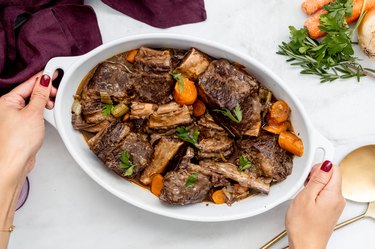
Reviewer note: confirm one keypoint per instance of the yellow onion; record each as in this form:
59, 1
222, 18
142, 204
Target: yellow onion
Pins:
366, 34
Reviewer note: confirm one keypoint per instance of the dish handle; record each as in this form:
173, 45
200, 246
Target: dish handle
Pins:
63, 63
324, 144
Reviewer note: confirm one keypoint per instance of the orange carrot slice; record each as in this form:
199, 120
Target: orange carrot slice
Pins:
131, 55
218, 197
291, 143
157, 184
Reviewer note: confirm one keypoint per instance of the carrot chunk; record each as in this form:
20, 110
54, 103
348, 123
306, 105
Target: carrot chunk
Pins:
277, 128
313, 22
185, 92
218, 197
311, 6
291, 143
157, 184
131, 55
279, 112
199, 108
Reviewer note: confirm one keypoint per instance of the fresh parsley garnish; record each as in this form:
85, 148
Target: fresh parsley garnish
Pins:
190, 181
244, 163
107, 109
332, 57
178, 77
184, 134
126, 164
235, 116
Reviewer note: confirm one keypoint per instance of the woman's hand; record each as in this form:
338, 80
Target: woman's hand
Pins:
313, 213
22, 125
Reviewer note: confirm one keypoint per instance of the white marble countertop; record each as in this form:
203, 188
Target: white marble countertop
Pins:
67, 209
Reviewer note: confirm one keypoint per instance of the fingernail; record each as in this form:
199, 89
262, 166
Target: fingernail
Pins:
326, 166
45, 80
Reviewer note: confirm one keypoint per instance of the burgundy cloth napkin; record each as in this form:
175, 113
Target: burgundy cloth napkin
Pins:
34, 31
161, 13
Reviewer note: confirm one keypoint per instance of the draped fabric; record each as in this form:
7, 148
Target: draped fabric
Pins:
34, 31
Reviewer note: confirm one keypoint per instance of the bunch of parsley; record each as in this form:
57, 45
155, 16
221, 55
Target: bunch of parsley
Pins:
332, 57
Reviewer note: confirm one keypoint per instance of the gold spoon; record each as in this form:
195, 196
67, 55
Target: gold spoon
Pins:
358, 184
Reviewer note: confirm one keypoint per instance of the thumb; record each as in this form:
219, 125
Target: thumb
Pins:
40, 95
319, 179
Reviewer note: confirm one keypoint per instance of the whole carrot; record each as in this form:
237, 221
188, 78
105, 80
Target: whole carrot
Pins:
312, 23
311, 6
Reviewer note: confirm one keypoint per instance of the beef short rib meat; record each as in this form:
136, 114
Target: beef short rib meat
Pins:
170, 116
175, 191
265, 153
193, 64
164, 152
139, 150
217, 147
229, 170
152, 80
223, 85
153, 61
108, 139
153, 88
112, 78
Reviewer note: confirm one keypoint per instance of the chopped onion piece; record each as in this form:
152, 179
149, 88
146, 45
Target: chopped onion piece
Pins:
76, 107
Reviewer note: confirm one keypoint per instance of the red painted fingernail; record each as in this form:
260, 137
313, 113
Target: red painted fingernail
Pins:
326, 166
45, 80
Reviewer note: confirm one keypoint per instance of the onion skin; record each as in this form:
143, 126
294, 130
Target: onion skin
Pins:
366, 34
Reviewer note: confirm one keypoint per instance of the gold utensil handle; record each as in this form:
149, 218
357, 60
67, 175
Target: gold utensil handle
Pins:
274, 240
342, 224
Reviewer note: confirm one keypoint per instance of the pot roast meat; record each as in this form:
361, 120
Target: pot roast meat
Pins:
223, 85
185, 160
208, 128
164, 152
108, 139
170, 116
193, 64
80, 124
92, 111
265, 153
216, 179
112, 78
152, 80
216, 147
175, 191
153, 61
153, 88
231, 171
208, 122
142, 110
139, 150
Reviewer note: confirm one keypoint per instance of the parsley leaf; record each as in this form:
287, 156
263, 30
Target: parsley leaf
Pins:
107, 109
191, 180
126, 164
178, 77
183, 134
244, 163
236, 116
332, 57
